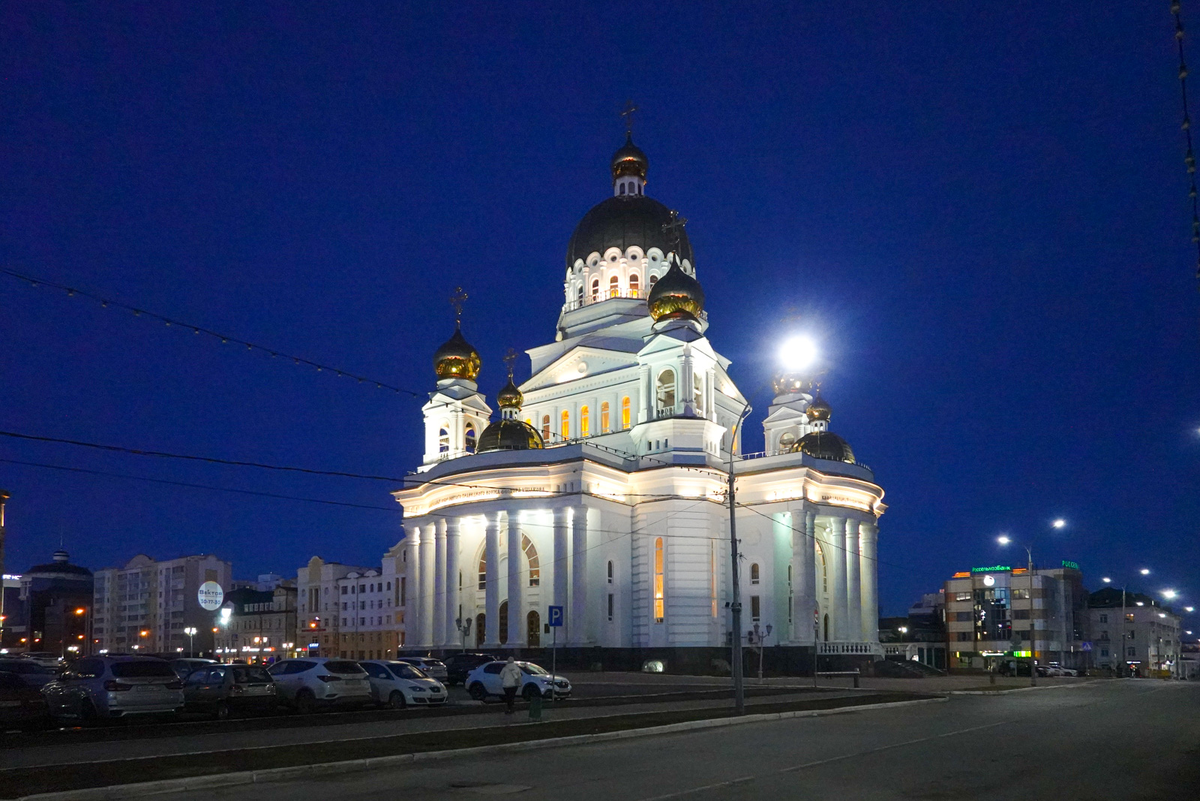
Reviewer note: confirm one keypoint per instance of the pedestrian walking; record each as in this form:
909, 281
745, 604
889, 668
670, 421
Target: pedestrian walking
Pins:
510, 680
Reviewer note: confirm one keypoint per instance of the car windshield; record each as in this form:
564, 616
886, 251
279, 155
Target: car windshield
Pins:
406, 672
344, 667
251, 675
533, 670
142, 670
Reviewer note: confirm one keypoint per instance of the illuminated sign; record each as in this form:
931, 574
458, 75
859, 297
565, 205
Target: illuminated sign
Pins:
992, 569
1070, 564
210, 596
989, 580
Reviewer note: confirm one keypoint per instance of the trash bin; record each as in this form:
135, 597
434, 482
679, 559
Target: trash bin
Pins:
535, 707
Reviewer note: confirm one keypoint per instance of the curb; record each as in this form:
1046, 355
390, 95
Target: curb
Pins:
208, 782
1021, 689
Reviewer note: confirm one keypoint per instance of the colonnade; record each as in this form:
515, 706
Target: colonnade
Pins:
435, 557
847, 590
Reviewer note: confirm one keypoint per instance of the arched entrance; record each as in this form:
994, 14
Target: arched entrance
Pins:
533, 628
480, 622
503, 623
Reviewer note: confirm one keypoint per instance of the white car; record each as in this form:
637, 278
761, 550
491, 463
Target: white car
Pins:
314, 682
399, 684
434, 668
485, 680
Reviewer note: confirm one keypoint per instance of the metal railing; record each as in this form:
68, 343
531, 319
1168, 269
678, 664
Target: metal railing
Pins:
833, 648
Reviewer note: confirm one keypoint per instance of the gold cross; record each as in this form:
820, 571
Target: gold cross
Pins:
628, 115
457, 300
510, 356
673, 228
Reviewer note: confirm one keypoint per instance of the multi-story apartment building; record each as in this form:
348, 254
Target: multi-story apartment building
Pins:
258, 625
146, 605
998, 612
352, 612
1151, 634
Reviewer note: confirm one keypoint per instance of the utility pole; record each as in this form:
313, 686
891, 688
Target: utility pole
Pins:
735, 606
4, 496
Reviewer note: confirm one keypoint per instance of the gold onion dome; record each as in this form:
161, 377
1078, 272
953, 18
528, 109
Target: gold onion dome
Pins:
824, 445
818, 410
456, 358
629, 160
509, 397
676, 296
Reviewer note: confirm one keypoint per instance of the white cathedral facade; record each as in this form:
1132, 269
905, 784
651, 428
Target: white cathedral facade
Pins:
602, 486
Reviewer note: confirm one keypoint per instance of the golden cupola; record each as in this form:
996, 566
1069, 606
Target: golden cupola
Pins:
676, 296
510, 432
456, 358
819, 409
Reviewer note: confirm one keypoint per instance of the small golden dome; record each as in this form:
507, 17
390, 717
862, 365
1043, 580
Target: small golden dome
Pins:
509, 434
818, 410
676, 295
456, 358
629, 160
509, 396
824, 445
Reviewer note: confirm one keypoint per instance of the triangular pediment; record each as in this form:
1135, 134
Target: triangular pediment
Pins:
579, 362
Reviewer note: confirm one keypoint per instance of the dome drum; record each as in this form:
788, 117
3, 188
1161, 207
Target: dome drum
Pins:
825, 445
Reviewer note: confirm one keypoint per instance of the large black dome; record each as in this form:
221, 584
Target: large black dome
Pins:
622, 222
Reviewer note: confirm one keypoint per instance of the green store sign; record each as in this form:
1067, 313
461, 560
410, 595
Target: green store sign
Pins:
992, 569
1070, 564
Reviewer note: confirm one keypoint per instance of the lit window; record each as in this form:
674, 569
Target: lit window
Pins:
659, 600
625, 413
633, 285
754, 573
535, 573
604, 429
483, 571
545, 428
470, 439
443, 441
565, 426
666, 391
614, 287
585, 422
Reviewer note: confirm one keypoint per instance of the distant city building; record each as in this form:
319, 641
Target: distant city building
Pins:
258, 625
55, 601
1152, 634
146, 605
998, 612
352, 612
13, 629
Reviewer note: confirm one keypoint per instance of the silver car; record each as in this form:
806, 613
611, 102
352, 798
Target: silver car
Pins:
311, 683
114, 686
399, 684
33, 674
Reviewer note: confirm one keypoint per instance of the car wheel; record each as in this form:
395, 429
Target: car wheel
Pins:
477, 692
529, 691
396, 700
306, 702
222, 711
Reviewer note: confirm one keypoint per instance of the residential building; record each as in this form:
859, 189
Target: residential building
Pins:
55, 601
352, 612
1151, 634
258, 625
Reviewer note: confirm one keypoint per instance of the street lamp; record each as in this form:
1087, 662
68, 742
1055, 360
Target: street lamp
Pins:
82, 612
190, 631
1004, 539
757, 638
464, 628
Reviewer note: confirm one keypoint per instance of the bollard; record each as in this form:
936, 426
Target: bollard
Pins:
535, 707
856, 679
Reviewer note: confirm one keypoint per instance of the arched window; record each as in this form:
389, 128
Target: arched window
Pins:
754, 573
545, 428
480, 628
483, 571
443, 441
565, 425
634, 284
533, 628
653, 281
579, 296
698, 394
622, 189
535, 571
595, 289
614, 287
786, 442
660, 606
666, 391
585, 422
625, 412
470, 439
604, 429
503, 621
610, 572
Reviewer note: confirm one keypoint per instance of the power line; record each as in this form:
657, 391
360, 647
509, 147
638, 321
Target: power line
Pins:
1189, 158
35, 281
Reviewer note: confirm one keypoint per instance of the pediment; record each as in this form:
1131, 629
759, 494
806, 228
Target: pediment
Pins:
580, 362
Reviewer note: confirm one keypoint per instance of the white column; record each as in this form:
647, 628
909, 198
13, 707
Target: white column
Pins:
439, 584
804, 599
837, 565
517, 579
491, 605
577, 635
412, 600
427, 571
560, 557
870, 582
853, 584
453, 593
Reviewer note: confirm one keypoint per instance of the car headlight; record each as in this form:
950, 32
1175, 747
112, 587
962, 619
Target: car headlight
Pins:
416, 689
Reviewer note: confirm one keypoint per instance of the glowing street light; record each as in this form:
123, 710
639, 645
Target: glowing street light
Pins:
1059, 523
798, 354
1003, 539
190, 631
1145, 571
1106, 580
1170, 595
1189, 609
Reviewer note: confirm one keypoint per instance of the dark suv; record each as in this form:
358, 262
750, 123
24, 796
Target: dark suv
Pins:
459, 665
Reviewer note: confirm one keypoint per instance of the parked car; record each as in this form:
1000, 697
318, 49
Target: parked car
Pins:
22, 706
46, 658
184, 667
459, 665
312, 683
227, 689
110, 687
484, 681
398, 684
433, 668
32, 673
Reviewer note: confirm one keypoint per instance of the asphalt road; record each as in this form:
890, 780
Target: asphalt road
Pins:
1119, 740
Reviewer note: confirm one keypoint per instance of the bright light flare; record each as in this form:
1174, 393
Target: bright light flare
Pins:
1004, 539
1170, 595
1059, 523
1189, 609
798, 353
1106, 580
1145, 571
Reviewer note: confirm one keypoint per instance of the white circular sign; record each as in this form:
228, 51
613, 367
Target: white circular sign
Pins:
211, 596
989, 581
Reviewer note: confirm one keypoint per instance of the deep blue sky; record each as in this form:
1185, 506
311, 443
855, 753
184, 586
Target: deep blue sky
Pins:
981, 208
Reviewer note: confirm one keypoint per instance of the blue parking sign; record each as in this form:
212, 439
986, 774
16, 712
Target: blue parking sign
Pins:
556, 615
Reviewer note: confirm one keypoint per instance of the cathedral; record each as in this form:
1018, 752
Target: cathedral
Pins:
601, 488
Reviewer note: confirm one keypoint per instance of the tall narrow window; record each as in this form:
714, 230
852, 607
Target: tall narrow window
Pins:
404, 588
535, 572
503, 638
565, 427
614, 287
653, 281
665, 391
610, 607
634, 285
712, 575
545, 428
595, 289
585, 422
610, 572
470, 439
579, 296
604, 429
754, 573
659, 598
755, 608
698, 394
443, 441
625, 413
622, 189
483, 571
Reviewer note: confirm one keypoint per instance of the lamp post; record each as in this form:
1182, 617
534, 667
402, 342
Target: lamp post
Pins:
1004, 539
756, 638
735, 606
464, 628
190, 631
1119, 667
87, 637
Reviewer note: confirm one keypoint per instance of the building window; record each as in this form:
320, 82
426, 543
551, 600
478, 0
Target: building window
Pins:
666, 391
659, 599
633, 285
754, 573
653, 281
624, 413
545, 428
610, 607
535, 573
585, 421
579, 296
565, 425
610, 572
595, 289
604, 429
614, 287
964, 636
755, 608
698, 394
470, 439
443, 441
1103, 618
403, 590
483, 571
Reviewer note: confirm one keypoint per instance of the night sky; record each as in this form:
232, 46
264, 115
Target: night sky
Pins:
980, 210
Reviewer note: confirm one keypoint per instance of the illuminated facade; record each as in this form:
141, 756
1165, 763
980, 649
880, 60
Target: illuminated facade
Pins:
602, 488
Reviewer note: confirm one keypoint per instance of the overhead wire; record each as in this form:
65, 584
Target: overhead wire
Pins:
1189, 158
